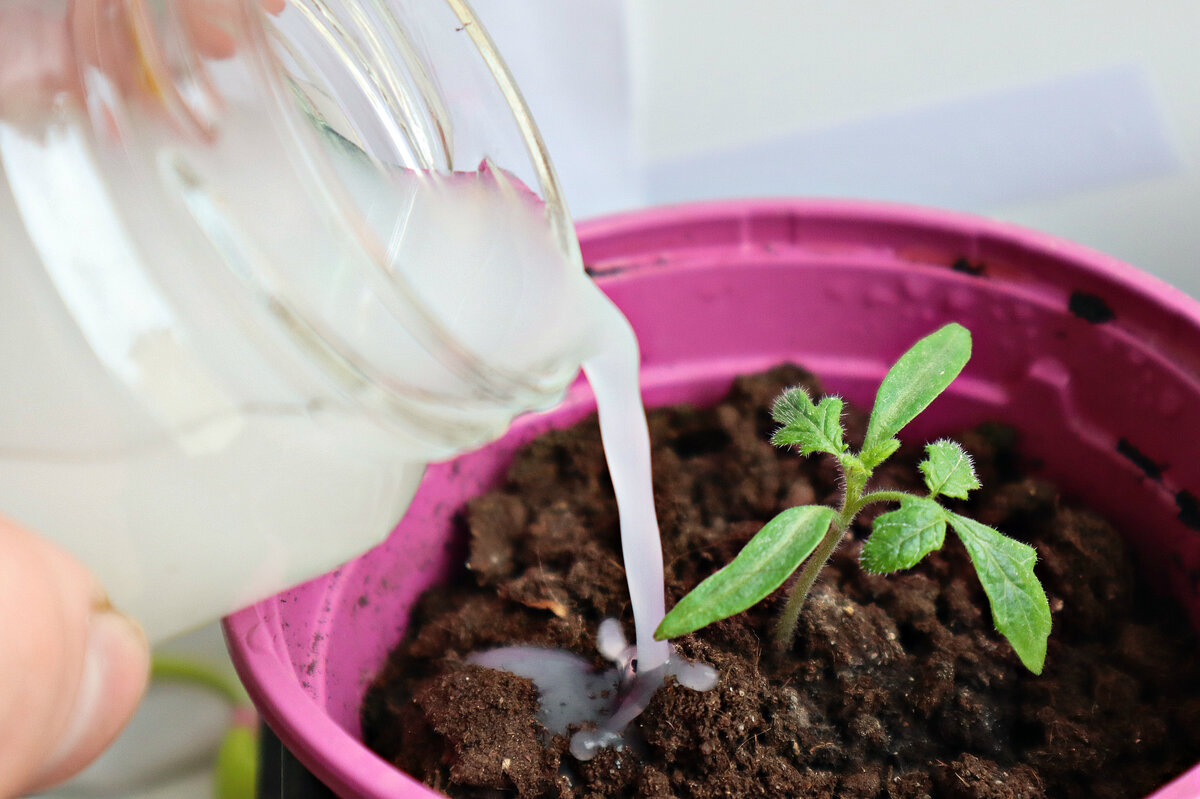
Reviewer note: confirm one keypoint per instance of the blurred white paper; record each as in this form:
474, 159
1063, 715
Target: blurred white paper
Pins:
1027, 143
571, 60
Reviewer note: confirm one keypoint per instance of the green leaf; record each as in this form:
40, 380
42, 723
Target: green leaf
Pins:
1019, 605
814, 428
916, 380
948, 470
761, 567
900, 538
879, 452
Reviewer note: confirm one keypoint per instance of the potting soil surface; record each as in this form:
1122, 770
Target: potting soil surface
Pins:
898, 686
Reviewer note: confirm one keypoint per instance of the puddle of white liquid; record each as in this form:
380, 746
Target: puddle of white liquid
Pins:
572, 693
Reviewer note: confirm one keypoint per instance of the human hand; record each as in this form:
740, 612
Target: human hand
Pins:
72, 669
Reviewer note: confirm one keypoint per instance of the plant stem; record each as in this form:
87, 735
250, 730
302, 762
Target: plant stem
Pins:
883, 496
852, 503
785, 628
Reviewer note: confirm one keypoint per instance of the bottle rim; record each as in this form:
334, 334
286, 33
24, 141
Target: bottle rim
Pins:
492, 382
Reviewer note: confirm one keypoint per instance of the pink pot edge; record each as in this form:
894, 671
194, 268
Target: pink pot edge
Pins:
320, 743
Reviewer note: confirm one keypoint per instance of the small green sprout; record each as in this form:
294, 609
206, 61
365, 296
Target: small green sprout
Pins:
804, 537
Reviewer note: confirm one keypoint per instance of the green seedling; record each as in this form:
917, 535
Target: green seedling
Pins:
804, 537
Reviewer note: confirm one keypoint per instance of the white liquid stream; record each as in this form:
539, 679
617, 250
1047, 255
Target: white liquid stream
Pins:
570, 692
613, 374
152, 426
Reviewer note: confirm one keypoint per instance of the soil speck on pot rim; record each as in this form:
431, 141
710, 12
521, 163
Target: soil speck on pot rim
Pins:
1148, 465
964, 265
898, 687
1090, 308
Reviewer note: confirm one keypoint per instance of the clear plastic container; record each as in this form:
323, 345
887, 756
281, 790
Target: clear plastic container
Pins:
259, 263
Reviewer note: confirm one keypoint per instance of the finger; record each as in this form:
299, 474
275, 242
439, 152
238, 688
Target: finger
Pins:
35, 59
73, 668
209, 24
104, 47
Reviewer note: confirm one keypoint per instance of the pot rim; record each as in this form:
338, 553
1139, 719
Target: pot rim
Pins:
667, 235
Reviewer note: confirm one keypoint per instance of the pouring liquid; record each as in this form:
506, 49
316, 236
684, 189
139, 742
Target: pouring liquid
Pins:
214, 391
570, 692
209, 468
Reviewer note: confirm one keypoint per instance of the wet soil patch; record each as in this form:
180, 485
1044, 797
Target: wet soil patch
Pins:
898, 687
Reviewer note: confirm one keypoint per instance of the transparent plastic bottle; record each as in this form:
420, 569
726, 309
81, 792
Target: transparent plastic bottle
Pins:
259, 263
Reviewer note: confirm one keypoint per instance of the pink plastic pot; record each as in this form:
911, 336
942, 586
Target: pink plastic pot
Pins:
1098, 364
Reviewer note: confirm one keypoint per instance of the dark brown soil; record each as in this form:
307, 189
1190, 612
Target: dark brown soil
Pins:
897, 686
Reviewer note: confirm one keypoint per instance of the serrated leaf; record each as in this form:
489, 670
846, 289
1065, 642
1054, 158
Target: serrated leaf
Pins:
813, 428
761, 567
948, 470
916, 380
1005, 568
879, 452
900, 538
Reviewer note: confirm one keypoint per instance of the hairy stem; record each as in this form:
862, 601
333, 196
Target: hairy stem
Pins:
883, 496
852, 503
785, 628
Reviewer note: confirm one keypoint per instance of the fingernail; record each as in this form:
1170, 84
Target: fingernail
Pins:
115, 666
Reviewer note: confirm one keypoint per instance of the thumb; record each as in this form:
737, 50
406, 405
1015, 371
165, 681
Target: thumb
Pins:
72, 669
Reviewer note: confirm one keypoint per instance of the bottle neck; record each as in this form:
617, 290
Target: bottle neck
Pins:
467, 287
307, 164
